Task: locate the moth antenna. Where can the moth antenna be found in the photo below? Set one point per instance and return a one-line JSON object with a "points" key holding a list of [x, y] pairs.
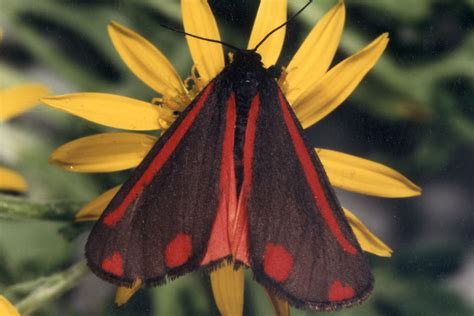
{"points": [[235, 47], [199, 37], [282, 25]]}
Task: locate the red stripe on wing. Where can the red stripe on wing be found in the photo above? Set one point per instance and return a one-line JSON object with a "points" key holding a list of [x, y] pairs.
{"points": [[240, 245], [114, 217], [313, 180], [219, 245]]}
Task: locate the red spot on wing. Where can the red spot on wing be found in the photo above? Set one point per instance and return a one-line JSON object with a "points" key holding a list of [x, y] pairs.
{"points": [[219, 243], [116, 215], [178, 250], [277, 262], [339, 292], [313, 180], [113, 264]]}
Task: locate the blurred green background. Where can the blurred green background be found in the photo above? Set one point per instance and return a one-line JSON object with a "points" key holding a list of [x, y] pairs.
{"points": [[413, 112]]}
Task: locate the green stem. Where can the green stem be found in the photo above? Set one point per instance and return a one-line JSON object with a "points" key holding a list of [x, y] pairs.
{"points": [[12, 207], [52, 287], [24, 287]]}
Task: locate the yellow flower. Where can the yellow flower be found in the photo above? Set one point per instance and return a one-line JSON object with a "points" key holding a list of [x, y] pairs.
{"points": [[312, 88], [13, 102], [6, 308]]}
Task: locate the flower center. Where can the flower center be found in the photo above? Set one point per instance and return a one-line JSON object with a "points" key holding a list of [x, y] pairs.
{"points": [[171, 106]]}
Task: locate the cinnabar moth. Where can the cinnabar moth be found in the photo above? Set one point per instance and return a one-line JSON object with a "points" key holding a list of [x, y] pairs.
{"points": [[234, 179]]}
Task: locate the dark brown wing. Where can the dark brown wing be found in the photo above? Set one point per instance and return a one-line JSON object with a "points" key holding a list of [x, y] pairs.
{"points": [[299, 242], [160, 222]]}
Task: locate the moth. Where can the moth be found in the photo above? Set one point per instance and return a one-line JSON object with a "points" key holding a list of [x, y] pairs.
{"points": [[234, 179]]}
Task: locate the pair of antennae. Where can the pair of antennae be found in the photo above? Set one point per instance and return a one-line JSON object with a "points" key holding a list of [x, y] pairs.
{"points": [[234, 47]]}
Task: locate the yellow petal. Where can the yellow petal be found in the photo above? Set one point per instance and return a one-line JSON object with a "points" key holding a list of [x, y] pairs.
{"points": [[107, 152], [92, 210], [199, 20], [271, 14], [337, 84], [228, 289], [113, 110], [123, 294], [146, 61], [280, 306], [16, 100], [11, 181], [368, 241], [363, 176], [315, 55], [6, 308]]}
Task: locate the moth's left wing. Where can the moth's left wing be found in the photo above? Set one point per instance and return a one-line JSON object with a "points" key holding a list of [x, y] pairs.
{"points": [[167, 219]]}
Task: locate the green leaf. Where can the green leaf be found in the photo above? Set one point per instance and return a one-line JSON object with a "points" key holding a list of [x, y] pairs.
{"points": [[12, 207]]}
